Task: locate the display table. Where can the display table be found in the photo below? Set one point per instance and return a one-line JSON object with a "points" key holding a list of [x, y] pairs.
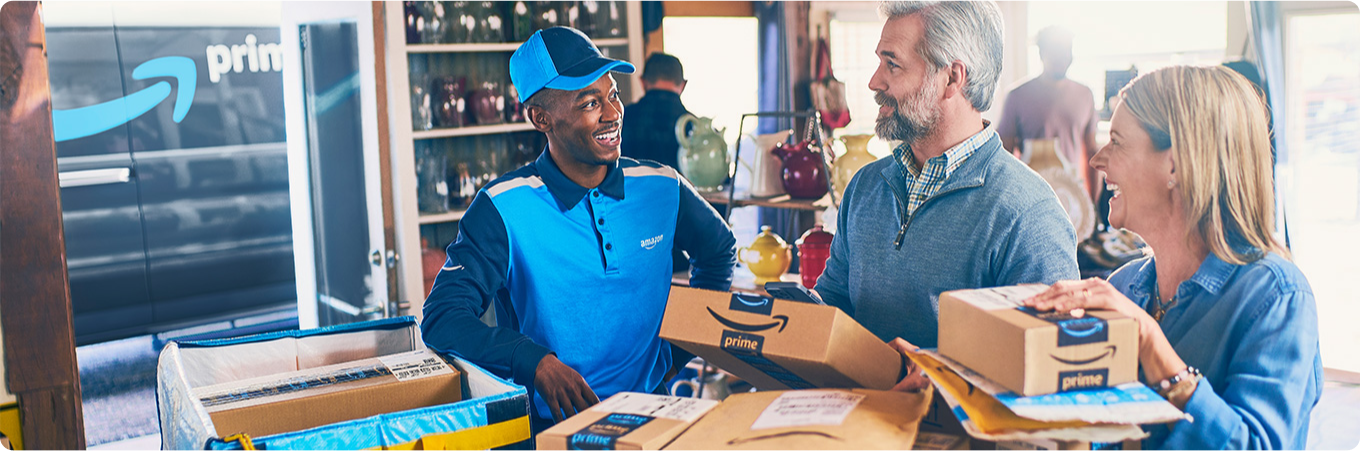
{"points": [[742, 280]]}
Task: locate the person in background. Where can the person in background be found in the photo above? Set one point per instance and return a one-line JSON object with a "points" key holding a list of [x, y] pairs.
{"points": [[1227, 324], [574, 248], [949, 209], [649, 132], [1054, 106]]}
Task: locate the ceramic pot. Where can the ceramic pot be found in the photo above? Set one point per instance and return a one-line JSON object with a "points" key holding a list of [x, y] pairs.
{"points": [[768, 256], [703, 153], [487, 105], [804, 172], [856, 156], [431, 262], [814, 247], [766, 169]]}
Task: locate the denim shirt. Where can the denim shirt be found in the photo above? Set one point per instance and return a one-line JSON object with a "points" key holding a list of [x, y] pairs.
{"points": [[1252, 331]]}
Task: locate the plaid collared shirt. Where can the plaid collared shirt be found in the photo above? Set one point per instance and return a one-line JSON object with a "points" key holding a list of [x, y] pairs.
{"points": [[922, 183]]}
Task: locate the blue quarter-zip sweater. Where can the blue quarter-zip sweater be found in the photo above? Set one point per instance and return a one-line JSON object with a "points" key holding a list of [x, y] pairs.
{"points": [[582, 273], [994, 222]]}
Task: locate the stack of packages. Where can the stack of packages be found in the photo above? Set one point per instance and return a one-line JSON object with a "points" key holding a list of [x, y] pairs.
{"points": [[370, 385], [1003, 373], [1011, 373], [825, 379]]}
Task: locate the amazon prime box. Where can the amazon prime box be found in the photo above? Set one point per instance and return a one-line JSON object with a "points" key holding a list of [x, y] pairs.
{"points": [[627, 421], [1036, 353], [777, 344]]}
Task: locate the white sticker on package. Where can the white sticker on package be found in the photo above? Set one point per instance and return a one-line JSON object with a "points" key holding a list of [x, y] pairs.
{"points": [[808, 408], [1000, 297], [657, 406], [415, 365]]}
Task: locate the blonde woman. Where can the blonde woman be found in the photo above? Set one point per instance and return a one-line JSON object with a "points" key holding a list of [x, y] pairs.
{"points": [[1228, 326]]}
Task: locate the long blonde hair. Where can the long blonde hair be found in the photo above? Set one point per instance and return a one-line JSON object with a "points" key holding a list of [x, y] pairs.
{"points": [[1214, 122]]}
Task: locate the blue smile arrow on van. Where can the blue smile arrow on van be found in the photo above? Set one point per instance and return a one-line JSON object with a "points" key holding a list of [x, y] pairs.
{"points": [[90, 120]]}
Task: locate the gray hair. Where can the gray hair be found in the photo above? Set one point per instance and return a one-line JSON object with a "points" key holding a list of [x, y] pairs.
{"points": [[968, 31]]}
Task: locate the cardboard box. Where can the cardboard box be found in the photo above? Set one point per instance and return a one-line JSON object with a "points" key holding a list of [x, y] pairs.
{"points": [[314, 397], [493, 412], [1036, 353], [810, 419], [778, 344], [627, 421]]}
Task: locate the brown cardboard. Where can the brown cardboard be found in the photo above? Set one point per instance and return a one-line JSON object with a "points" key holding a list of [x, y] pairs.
{"points": [[1027, 353], [272, 411], [882, 420], [777, 344], [617, 426]]}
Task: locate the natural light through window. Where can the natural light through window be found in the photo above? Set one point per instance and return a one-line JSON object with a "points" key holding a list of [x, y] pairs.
{"points": [[1320, 177]]}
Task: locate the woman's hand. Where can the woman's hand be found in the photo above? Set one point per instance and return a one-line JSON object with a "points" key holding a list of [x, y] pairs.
{"points": [[1158, 359], [915, 379], [1077, 296]]}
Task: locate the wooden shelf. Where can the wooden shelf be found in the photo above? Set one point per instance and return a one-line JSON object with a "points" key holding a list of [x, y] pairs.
{"points": [[781, 201], [472, 130], [437, 218], [494, 46]]}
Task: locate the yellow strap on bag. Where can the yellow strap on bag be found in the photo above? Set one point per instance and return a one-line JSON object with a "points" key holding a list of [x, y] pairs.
{"points": [[246, 444], [986, 412], [485, 437]]}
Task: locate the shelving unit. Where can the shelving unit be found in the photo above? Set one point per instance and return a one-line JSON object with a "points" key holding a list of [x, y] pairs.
{"points": [[474, 130], [781, 201], [402, 137], [494, 47], [439, 218]]}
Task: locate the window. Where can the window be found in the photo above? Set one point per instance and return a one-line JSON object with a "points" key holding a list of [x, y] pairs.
{"points": [[1319, 179], [1117, 35], [852, 44]]}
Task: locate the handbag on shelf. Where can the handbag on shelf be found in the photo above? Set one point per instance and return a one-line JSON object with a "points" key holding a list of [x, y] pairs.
{"points": [[828, 93]]}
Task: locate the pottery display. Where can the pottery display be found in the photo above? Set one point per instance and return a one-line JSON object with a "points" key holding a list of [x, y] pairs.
{"points": [[703, 153], [814, 247], [855, 157], [768, 257], [432, 188], [487, 105], [766, 169], [804, 172]]}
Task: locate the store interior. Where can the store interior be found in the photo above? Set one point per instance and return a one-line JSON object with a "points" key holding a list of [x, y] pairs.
{"points": [[215, 170]]}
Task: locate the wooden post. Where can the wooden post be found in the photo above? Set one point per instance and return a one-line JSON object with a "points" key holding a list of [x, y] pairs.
{"points": [[35, 299]]}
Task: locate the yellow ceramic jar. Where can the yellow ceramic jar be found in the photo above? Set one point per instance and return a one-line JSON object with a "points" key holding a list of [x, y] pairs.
{"points": [[856, 156], [769, 257]]}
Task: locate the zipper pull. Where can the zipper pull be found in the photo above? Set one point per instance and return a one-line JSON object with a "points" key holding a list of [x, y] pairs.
{"points": [[897, 243]]}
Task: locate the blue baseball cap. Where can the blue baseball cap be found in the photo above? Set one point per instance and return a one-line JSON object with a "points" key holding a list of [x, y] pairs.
{"points": [[559, 58]]}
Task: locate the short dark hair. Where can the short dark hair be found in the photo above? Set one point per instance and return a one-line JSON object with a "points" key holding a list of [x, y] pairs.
{"points": [[661, 66]]}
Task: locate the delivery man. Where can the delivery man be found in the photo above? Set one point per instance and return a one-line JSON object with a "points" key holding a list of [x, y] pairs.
{"points": [[574, 248], [950, 209]]}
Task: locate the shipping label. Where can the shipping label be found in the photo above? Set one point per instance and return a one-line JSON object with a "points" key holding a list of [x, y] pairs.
{"points": [[415, 365], [808, 408], [657, 406]]}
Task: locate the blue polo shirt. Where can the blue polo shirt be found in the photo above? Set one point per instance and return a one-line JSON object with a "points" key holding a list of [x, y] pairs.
{"points": [[581, 273]]}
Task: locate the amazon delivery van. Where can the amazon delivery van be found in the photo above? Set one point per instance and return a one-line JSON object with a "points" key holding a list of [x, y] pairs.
{"points": [[173, 173]]}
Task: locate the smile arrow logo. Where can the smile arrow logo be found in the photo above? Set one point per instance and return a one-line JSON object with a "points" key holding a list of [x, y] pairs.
{"points": [[85, 121]]}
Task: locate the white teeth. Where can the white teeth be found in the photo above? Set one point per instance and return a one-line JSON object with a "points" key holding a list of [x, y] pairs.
{"points": [[610, 135], [1112, 187]]}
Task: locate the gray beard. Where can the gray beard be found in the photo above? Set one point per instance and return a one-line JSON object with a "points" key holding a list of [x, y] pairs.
{"points": [[908, 126]]}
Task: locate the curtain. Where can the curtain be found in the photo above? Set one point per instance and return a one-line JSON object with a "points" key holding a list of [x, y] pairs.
{"points": [[776, 94], [1267, 33]]}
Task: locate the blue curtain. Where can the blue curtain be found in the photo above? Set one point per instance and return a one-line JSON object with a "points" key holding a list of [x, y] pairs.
{"points": [[1267, 31], [776, 94]]}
